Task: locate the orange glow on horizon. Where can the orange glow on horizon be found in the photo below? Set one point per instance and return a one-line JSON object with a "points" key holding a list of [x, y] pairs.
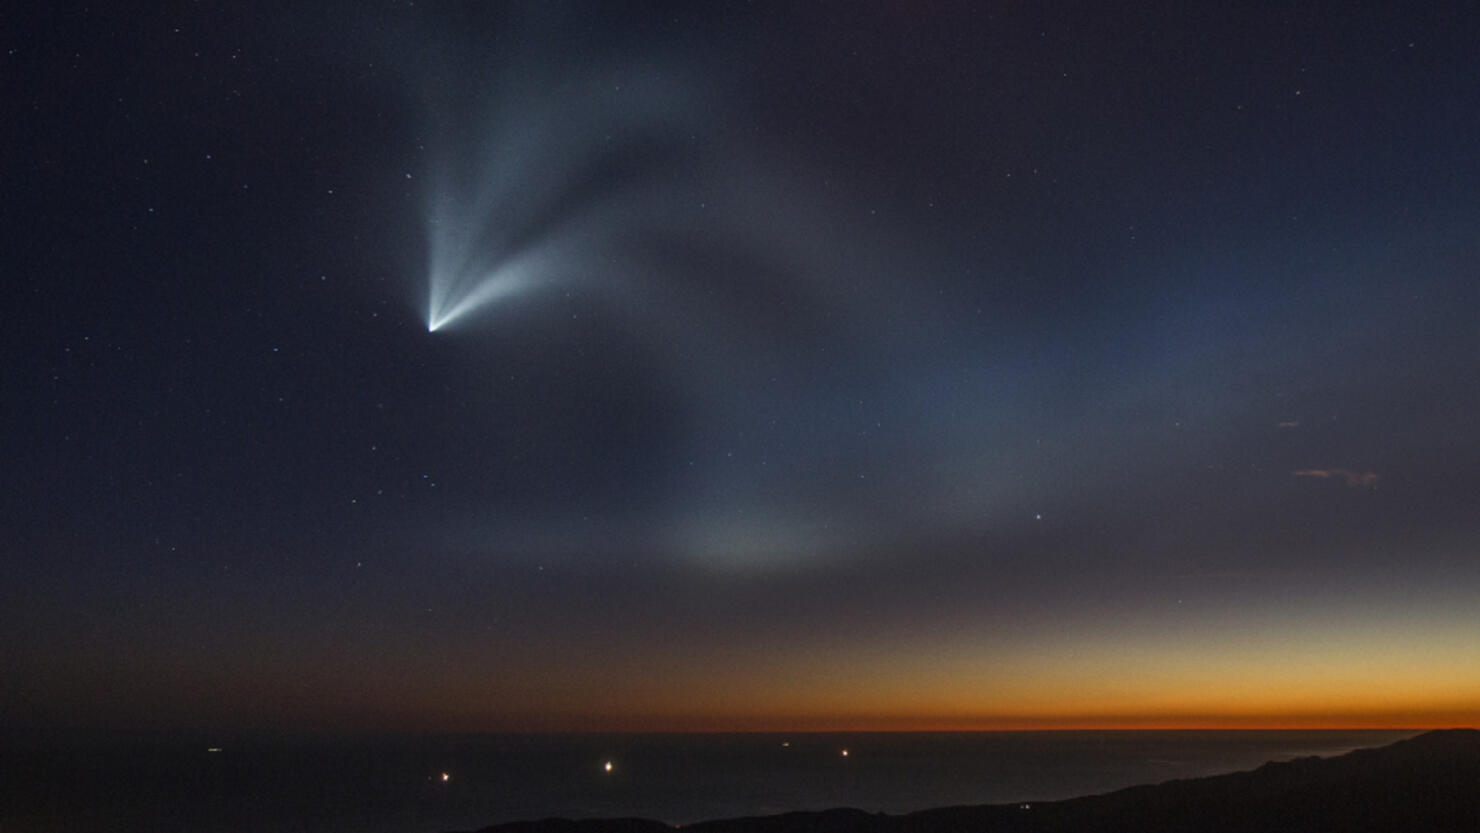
{"points": [[1417, 720], [1287, 671]]}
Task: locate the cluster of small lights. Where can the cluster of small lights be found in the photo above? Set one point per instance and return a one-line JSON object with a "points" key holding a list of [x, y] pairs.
{"points": [[447, 776]]}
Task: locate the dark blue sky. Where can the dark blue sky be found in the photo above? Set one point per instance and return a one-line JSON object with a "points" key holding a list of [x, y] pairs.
{"points": [[792, 366]]}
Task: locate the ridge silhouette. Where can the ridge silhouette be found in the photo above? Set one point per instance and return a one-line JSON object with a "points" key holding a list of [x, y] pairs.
{"points": [[1428, 783]]}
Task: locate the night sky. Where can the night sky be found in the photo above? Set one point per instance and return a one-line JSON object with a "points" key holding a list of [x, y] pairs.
{"points": [[709, 366]]}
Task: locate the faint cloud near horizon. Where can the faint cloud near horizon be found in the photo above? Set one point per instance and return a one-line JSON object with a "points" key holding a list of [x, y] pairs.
{"points": [[1353, 479]]}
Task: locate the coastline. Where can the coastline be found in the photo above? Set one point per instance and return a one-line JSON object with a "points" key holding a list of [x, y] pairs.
{"points": [[1424, 783]]}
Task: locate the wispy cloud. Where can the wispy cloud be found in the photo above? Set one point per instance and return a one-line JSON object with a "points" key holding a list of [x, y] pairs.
{"points": [[1293, 423], [1355, 479]]}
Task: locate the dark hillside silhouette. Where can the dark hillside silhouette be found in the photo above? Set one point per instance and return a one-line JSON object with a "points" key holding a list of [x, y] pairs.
{"points": [[1428, 783]]}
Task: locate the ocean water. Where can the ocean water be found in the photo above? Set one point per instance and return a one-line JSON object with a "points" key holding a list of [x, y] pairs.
{"points": [[395, 784]]}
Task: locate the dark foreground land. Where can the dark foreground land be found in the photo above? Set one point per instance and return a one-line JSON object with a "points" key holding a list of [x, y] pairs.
{"points": [[1427, 783]]}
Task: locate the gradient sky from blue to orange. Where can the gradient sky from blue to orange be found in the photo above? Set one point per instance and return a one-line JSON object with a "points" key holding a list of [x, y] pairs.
{"points": [[836, 367]]}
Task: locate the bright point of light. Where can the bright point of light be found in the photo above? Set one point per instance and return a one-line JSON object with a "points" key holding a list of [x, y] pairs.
{"points": [[446, 777], [214, 749], [845, 753], [445, 306], [607, 766]]}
